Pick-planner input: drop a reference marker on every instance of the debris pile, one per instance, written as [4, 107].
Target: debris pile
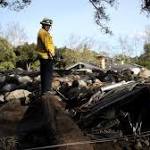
[107, 110]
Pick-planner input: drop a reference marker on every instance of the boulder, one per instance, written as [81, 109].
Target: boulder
[9, 87]
[2, 98]
[45, 123]
[18, 94]
[10, 115]
[38, 78]
[24, 79]
[2, 78]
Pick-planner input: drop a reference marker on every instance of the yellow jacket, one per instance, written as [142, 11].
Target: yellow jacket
[45, 44]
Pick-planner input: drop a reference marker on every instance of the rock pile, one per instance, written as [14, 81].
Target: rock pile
[85, 107]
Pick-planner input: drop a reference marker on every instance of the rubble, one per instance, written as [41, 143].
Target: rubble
[18, 94]
[104, 106]
[145, 73]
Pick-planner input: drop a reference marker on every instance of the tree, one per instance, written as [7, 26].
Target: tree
[14, 4]
[144, 59]
[7, 55]
[121, 59]
[72, 56]
[87, 55]
[101, 17]
[26, 55]
[80, 50]
[146, 5]
[147, 34]
[126, 49]
[100, 6]
[15, 34]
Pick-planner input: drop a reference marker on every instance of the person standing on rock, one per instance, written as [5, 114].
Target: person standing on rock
[46, 52]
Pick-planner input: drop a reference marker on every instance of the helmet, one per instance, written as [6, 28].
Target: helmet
[46, 21]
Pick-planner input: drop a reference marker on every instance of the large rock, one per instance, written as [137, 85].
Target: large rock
[66, 129]
[9, 87]
[45, 123]
[25, 79]
[38, 78]
[10, 115]
[18, 94]
[2, 98]
[2, 78]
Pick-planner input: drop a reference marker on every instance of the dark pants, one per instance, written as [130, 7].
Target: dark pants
[46, 69]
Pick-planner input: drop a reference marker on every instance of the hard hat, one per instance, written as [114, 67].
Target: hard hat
[46, 21]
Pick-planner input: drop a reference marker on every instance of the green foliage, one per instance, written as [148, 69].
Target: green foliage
[7, 55]
[22, 56]
[146, 54]
[6, 66]
[72, 56]
[120, 58]
[26, 55]
[144, 63]
[35, 65]
[144, 59]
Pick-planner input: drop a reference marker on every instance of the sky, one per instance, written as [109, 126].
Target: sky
[76, 19]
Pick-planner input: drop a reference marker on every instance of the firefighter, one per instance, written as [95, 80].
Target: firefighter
[46, 53]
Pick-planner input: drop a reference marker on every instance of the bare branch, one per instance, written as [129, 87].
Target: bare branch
[146, 5]
[101, 17]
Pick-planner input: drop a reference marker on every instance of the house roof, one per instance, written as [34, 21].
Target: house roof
[85, 65]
